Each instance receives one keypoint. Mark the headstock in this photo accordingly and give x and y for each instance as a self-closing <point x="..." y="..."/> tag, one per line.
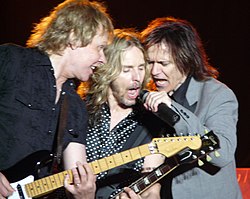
<point x="170" y="146"/>
<point x="210" y="143"/>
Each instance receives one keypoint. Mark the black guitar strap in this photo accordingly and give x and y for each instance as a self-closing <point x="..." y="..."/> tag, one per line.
<point x="60" y="131"/>
<point x="138" y="137"/>
<point x="58" y="149"/>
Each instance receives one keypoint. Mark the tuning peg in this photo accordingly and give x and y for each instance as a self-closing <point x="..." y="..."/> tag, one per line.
<point x="200" y="163"/>
<point x="216" y="153"/>
<point x="208" y="158"/>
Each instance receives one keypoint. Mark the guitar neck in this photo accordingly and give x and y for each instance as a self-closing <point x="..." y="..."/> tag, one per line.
<point x="45" y="185"/>
<point x="121" y="158"/>
<point x="166" y="146"/>
<point x="210" y="143"/>
<point x="151" y="178"/>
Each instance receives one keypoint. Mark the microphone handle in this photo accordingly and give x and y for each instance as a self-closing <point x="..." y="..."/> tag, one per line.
<point x="167" y="115"/>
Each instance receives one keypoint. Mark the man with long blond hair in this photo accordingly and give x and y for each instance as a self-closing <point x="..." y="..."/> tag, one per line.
<point x="34" y="81"/>
<point x="115" y="116"/>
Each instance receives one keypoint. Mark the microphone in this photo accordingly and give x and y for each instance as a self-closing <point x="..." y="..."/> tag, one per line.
<point x="165" y="113"/>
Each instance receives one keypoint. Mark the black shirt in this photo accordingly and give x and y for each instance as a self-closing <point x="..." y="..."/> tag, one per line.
<point x="28" y="113"/>
<point x="180" y="95"/>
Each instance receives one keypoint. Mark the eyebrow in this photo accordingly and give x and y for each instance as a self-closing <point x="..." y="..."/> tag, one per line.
<point x="160" y="61"/>
<point x="130" y="67"/>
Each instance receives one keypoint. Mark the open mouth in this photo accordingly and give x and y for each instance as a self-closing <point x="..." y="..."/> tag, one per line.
<point x="160" y="82"/>
<point x="133" y="92"/>
<point x="97" y="65"/>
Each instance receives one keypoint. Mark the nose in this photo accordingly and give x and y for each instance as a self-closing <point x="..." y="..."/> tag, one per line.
<point x="102" y="58"/>
<point x="136" y="75"/>
<point x="155" y="68"/>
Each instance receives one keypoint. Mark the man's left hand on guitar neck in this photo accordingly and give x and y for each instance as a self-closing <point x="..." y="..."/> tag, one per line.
<point x="84" y="186"/>
<point x="152" y="193"/>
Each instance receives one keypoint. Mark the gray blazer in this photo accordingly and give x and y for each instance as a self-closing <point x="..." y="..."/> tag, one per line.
<point x="217" y="110"/>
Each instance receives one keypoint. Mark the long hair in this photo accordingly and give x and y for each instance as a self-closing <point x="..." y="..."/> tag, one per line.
<point x="106" y="74"/>
<point x="184" y="43"/>
<point x="71" y="22"/>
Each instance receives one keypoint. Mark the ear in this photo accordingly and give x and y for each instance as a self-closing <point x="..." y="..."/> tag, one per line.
<point x="72" y="41"/>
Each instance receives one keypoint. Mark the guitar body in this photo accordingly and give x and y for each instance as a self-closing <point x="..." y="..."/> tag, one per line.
<point x="26" y="171"/>
<point x="30" y="165"/>
<point x="20" y="192"/>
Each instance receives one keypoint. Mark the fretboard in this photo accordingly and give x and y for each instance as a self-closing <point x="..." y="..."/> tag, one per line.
<point x="166" y="146"/>
<point x="50" y="183"/>
<point x="151" y="178"/>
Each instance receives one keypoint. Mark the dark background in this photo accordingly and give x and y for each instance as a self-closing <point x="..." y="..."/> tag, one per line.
<point x="223" y="26"/>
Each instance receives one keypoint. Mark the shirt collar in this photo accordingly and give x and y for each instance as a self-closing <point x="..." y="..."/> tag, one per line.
<point x="180" y="94"/>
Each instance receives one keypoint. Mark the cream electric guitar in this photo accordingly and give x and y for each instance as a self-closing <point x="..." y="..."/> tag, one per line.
<point x="28" y="188"/>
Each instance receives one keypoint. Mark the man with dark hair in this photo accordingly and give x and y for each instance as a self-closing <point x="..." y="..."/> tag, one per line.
<point x="184" y="81"/>
<point x="35" y="80"/>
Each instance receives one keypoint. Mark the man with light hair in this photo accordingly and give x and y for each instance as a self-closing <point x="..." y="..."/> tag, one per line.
<point x="34" y="81"/>
<point x="115" y="115"/>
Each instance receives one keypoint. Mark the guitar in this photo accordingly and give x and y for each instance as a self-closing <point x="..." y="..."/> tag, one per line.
<point x="210" y="143"/>
<point x="26" y="188"/>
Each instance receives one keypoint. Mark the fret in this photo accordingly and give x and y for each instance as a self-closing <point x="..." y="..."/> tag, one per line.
<point x="141" y="185"/>
<point x="118" y="159"/>
<point x="30" y="187"/>
<point x="44" y="182"/>
<point x="126" y="157"/>
<point x="53" y="180"/>
<point x="35" y="189"/>
<point x="103" y="164"/>
<point x="95" y="167"/>
<point x="136" y="153"/>
<point x="153" y="177"/>
<point x="110" y="162"/>
<point x="144" y="150"/>
<point x="28" y="190"/>
<point x="49" y="184"/>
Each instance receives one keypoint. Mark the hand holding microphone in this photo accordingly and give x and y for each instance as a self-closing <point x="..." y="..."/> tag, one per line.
<point x="162" y="111"/>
